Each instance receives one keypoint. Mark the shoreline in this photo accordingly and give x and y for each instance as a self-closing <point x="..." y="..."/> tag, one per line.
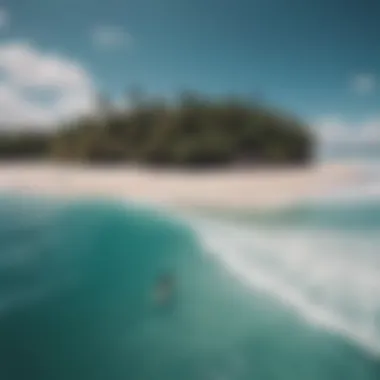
<point x="231" y="189"/>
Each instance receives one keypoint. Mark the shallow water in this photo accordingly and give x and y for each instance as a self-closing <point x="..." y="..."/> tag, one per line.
<point x="293" y="295"/>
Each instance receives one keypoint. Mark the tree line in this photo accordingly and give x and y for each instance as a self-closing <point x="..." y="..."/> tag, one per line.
<point x="192" y="131"/>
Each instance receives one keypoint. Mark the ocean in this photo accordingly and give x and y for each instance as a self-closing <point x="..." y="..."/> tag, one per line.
<point x="287" y="295"/>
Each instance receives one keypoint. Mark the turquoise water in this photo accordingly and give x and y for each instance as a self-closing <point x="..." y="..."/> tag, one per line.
<point x="293" y="295"/>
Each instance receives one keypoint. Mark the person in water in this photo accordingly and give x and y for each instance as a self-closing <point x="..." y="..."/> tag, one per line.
<point x="164" y="289"/>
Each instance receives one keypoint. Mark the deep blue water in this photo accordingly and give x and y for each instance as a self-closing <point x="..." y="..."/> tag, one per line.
<point x="295" y="295"/>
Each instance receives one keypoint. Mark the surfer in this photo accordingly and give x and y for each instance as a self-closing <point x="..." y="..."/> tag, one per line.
<point x="164" y="289"/>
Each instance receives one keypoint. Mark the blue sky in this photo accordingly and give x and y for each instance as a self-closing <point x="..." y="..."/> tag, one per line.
<point x="318" y="59"/>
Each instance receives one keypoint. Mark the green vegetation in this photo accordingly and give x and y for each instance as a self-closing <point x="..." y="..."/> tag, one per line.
<point x="24" y="145"/>
<point x="192" y="132"/>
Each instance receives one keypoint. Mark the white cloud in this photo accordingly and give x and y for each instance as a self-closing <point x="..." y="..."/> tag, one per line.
<point x="336" y="130"/>
<point x="4" y="18"/>
<point x="363" y="84"/>
<point x="26" y="71"/>
<point x="108" y="36"/>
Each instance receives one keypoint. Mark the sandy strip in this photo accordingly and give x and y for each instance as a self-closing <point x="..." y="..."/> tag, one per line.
<point x="237" y="188"/>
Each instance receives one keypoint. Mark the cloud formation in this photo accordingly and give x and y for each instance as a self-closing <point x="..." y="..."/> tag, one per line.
<point x="335" y="129"/>
<point x="108" y="36"/>
<point x="363" y="84"/>
<point x="39" y="88"/>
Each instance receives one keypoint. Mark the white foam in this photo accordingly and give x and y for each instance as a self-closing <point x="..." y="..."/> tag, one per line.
<point x="330" y="279"/>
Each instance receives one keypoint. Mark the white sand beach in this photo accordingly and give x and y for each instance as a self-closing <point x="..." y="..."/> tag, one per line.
<point x="227" y="188"/>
